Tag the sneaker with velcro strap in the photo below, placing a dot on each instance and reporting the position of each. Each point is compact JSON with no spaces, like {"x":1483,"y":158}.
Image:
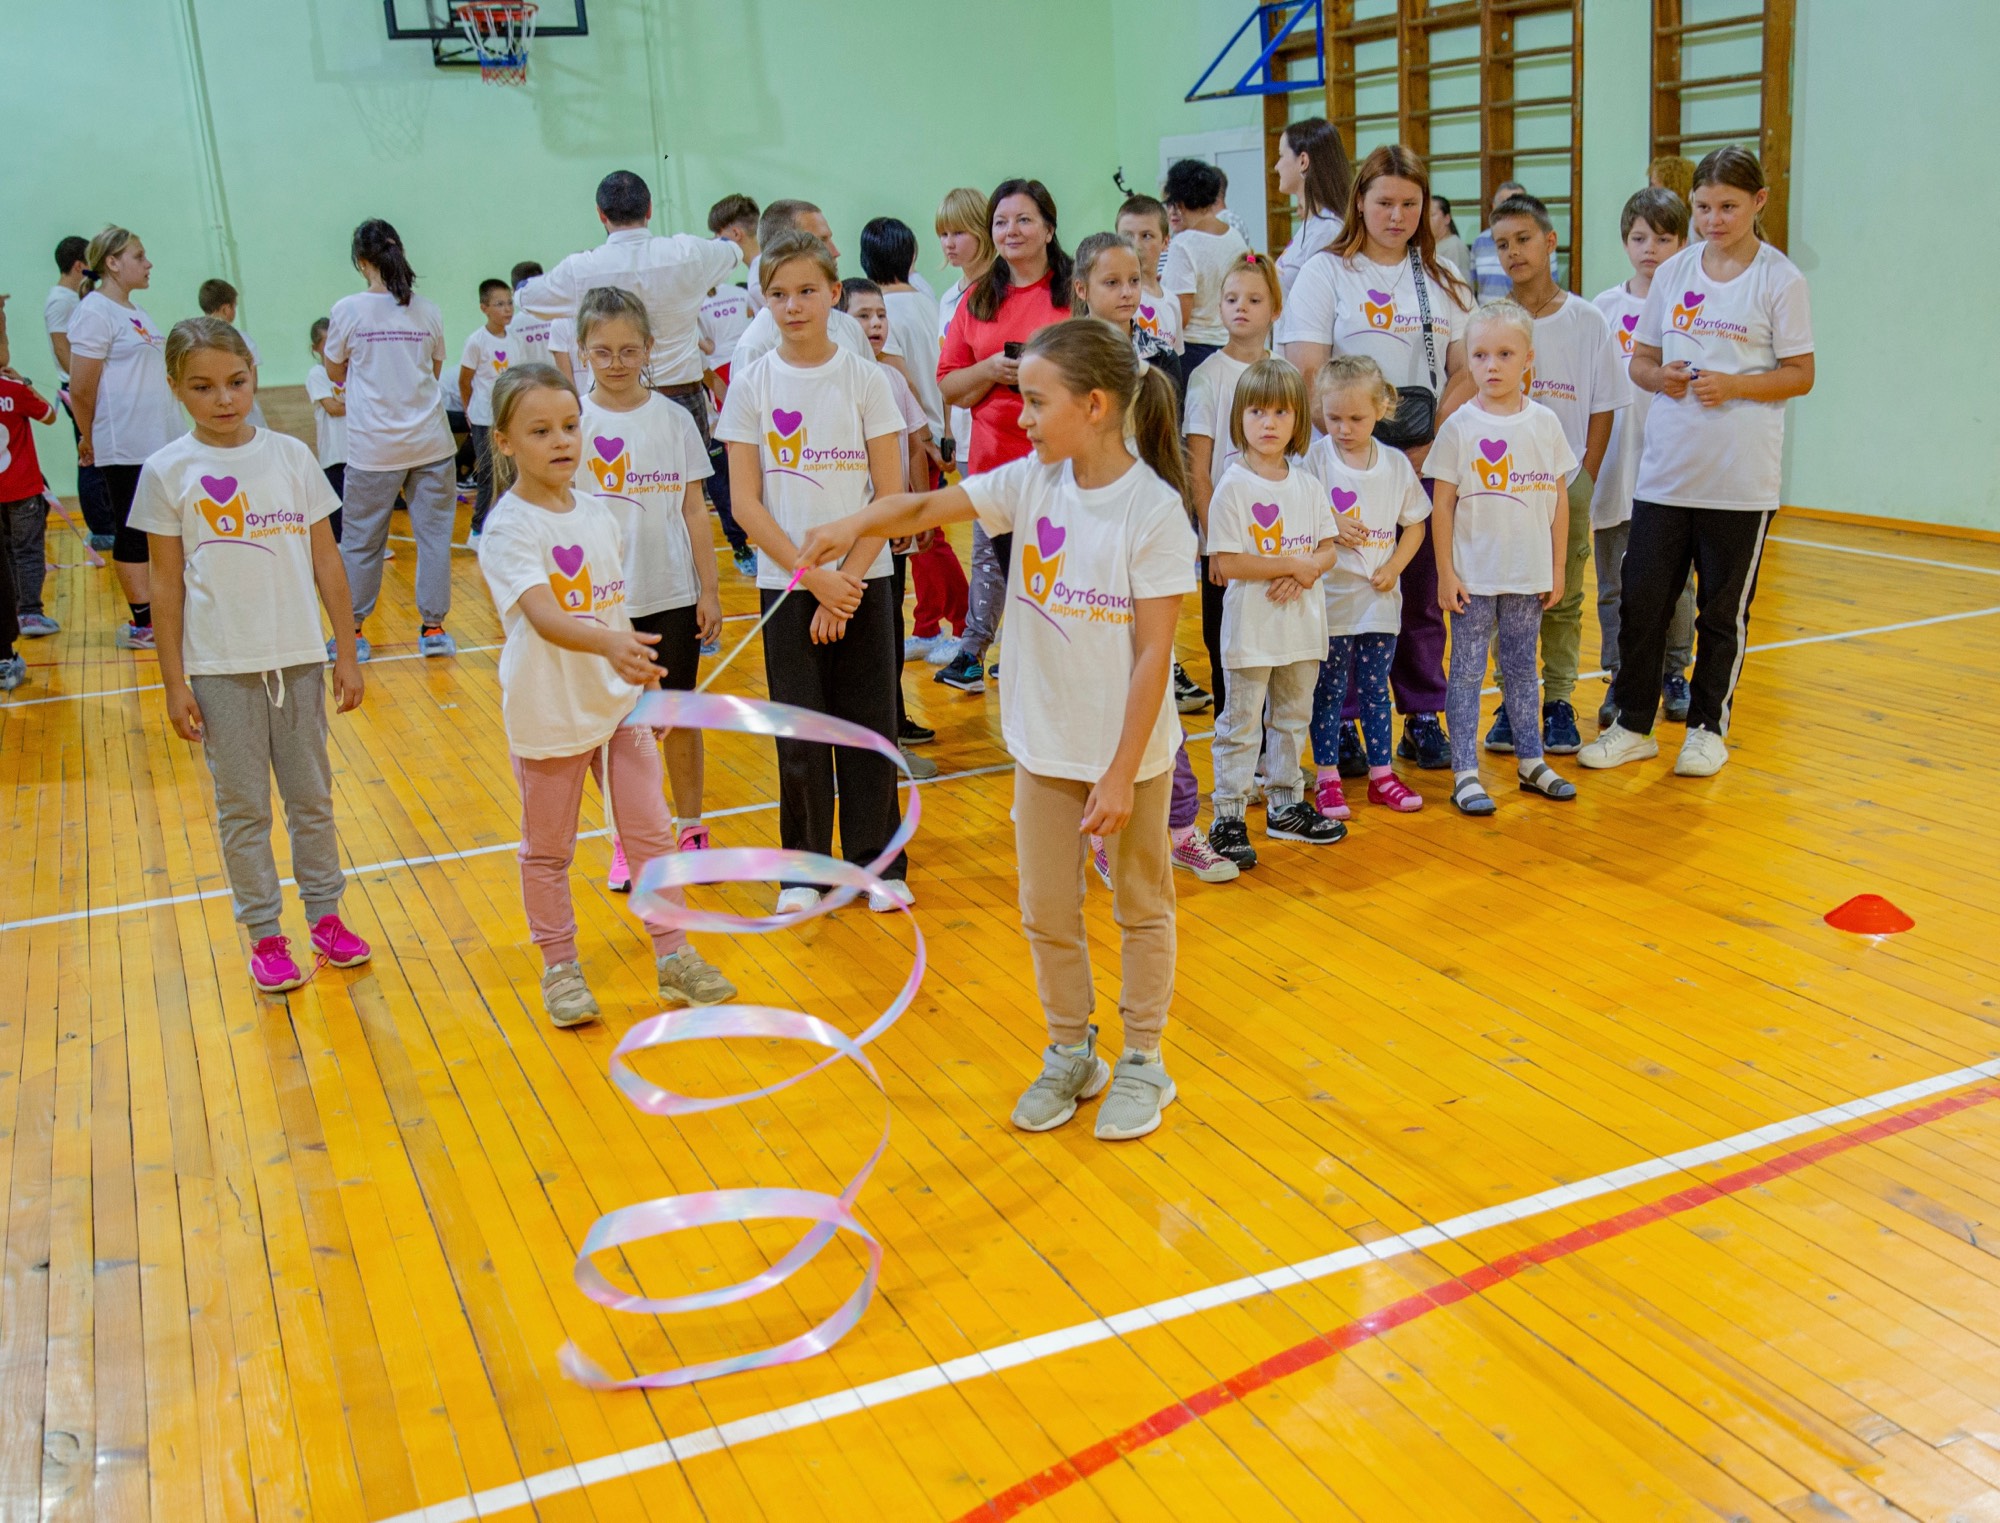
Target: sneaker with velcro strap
{"x":1299,"y":821}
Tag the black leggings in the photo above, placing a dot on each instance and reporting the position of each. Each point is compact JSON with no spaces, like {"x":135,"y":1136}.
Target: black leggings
{"x":128,"y":544}
{"x":679,"y":650}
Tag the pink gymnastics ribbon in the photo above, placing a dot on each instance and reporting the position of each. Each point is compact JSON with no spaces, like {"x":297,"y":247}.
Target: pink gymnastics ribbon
{"x":827,"y":1214}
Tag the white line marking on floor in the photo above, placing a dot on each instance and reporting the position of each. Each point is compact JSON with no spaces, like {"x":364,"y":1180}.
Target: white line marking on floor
{"x":1882,"y":555}
{"x":682,"y":1447}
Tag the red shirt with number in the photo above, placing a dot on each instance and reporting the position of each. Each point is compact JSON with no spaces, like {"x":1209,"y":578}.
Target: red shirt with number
{"x":996,"y":417}
{"x":21,"y":408}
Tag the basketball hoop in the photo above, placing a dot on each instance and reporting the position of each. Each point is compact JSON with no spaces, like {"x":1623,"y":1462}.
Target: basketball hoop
{"x":500,"y":32}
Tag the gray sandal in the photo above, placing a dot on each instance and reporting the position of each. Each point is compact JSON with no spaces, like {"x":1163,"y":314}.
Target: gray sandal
{"x":1550,"y":784}
{"x":1471,"y":798}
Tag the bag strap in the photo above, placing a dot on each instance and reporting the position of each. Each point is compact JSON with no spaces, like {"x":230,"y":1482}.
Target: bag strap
{"x":1424,"y":312}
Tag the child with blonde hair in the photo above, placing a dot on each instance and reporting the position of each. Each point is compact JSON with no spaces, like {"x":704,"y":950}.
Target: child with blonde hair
{"x":571,"y":672}
{"x":239,"y":642}
{"x":1377,"y":499}
{"x":1501,"y":465}
{"x":1271,"y":535}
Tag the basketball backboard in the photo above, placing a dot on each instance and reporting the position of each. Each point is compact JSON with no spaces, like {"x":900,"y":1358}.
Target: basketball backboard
{"x":433,"y":21}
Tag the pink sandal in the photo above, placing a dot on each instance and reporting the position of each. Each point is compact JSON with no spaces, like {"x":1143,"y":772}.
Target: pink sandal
{"x":1391,"y":793}
{"x":1331,"y":799}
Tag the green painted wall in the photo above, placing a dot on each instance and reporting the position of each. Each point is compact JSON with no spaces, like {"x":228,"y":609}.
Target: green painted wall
{"x":318,"y":120}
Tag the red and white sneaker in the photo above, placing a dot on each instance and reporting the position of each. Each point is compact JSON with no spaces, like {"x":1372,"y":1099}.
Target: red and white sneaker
{"x":1331,"y":798}
{"x":693,"y":838}
{"x":338,"y":945}
{"x":619,"y":880}
{"x":1392,"y":793}
{"x":272,"y":968}
{"x":1194,"y":855}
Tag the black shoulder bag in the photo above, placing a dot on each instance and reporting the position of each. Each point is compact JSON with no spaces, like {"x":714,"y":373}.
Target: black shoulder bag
{"x":1415,"y":419}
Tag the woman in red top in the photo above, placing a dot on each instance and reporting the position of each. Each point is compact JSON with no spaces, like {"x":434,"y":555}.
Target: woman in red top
{"x":1024,"y":290}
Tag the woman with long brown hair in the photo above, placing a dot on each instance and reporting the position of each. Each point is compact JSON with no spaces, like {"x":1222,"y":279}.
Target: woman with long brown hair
{"x":1379,"y":289}
{"x":1312,"y":164}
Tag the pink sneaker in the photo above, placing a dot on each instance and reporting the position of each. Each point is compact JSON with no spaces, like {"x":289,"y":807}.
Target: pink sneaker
{"x":1194,"y":855}
{"x":272,"y":968}
{"x":338,"y":945}
{"x":1332,"y":798}
{"x":620,"y":880}
{"x":694,"y":838}
{"x":1391,"y":793}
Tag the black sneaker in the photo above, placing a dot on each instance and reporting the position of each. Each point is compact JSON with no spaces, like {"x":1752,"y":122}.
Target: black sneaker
{"x":1231,"y":839}
{"x":966,"y":673}
{"x":1190,"y":697}
{"x":910,"y":733}
{"x":1501,"y":737}
{"x":1353,"y":754}
{"x":1675,"y":697}
{"x":1560,"y":736}
{"x":1425,"y":743}
{"x":1302,"y":822}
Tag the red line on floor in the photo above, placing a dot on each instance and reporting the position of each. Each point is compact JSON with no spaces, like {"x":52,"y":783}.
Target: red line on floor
{"x":1066,"y":1473}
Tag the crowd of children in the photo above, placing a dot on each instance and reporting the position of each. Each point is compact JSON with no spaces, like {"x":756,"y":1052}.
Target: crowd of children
{"x":1122,"y":431}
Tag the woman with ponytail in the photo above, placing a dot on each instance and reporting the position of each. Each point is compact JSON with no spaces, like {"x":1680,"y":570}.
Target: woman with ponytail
{"x":1102,"y":555}
{"x":124,"y":409}
{"x":386,"y":346}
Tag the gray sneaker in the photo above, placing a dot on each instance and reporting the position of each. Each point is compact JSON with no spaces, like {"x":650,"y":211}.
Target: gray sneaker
{"x":566,"y":997}
{"x":1066,"y":1078}
{"x":689,"y":978}
{"x":1139,"y":1092}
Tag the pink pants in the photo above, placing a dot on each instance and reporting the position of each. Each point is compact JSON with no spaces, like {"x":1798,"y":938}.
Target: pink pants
{"x":551,"y":795}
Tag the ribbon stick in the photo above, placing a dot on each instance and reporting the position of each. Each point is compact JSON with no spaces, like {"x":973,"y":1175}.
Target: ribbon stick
{"x":827,"y":1215}
{"x":61,"y":512}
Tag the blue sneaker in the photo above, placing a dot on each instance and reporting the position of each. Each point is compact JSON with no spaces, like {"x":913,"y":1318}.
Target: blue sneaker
{"x":362,"y":649}
{"x":1501,"y":737}
{"x":435,"y":642}
{"x":1673,"y":692}
{"x":35,"y":626}
{"x":13,"y":672}
{"x":746,"y":560}
{"x":967,"y":673}
{"x":1425,"y":743}
{"x":1560,"y":736}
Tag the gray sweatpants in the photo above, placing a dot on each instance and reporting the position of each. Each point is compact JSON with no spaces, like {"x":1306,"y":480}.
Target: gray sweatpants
{"x":1611,"y":591}
{"x":1240,"y":733}
{"x":257,"y":725}
{"x":27,"y":536}
{"x":989,"y":591}
{"x":431,"y":491}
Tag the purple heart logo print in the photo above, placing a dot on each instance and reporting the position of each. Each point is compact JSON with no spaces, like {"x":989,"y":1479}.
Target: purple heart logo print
{"x":1049,"y":537}
{"x":219,"y":488}
{"x":1380,"y":298}
{"x":568,"y":558}
{"x":1631,"y":322}
{"x":1145,"y":311}
{"x":1344,"y":500}
{"x":1495,"y":450}
{"x":1691,"y":298}
{"x":786,"y":422}
{"x":1266,"y":513}
{"x":607,"y":449}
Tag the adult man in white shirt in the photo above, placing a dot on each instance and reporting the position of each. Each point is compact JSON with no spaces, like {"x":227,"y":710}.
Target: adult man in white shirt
{"x":670,"y":275}
{"x":93,"y":496}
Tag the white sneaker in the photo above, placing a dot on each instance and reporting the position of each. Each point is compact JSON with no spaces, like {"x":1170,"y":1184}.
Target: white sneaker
{"x":893,"y":895}
{"x":943,"y":651}
{"x":1702,"y":754}
{"x":796,"y":901}
{"x":1617,"y":746}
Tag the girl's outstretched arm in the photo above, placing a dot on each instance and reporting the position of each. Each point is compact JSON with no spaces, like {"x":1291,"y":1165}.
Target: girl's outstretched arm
{"x":894,"y":517}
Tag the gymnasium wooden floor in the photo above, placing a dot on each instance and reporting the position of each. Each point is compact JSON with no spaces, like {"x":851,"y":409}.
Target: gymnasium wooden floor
{"x":311,"y":1259}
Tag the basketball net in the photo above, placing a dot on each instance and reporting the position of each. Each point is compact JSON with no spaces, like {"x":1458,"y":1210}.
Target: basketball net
{"x":500,"y":32}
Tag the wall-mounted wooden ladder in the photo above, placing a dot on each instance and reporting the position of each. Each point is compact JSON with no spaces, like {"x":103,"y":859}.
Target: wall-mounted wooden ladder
{"x":1684,"y":26}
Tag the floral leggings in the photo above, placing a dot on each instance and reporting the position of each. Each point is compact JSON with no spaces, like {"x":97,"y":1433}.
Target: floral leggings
{"x":1371,"y":654}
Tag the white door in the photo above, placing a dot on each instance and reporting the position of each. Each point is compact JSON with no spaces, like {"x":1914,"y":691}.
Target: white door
{"x":1239,"y":153}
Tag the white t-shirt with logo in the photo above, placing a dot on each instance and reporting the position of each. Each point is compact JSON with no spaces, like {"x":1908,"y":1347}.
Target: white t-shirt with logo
{"x":1310,"y":236}
{"x":913,"y":329}
{"x":1252,"y":516}
{"x":329,"y":429}
{"x":1611,"y":496}
{"x":1196,"y":264}
{"x":557,"y":702}
{"x":56,"y":310}
{"x":1577,"y":370}
{"x":642,"y":463}
{"x":1511,"y":471}
{"x":1080,"y":560}
{"x":725,"y":313}
{"x":1384,"y":499}
{"x":1159,"y":317}
{"x":1361,"y":307}
{"x":1211,"y":397}
{"x":136,"y":412}
{"x":811,"y":427}
{"x":486,"y":354}
{"x":395,"y":408}
{"x":528,"y":339}
{"x":1730,"y":456}
{"x":244,"y":517}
